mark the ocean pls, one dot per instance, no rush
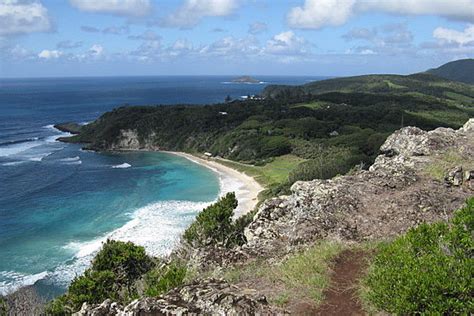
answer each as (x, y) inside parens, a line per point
(58, 203)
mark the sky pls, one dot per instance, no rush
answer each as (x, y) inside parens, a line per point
(59, 38)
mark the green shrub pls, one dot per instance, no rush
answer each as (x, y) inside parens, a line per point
(429, 270)
(114, 271)
(3, 307)
(213, 225)
(275, 146)
(161, 280)
(327, 164)
(59, 307)
(92, 287)
(127, 260)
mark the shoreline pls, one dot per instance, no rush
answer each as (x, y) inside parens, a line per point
(247, 190)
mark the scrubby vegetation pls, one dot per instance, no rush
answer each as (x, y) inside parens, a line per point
(3, 307)
(215, 226)
(302, 275)
(429, 270)
(113, 274)
(164, 278)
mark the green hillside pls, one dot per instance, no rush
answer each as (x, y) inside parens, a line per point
(459, 70)
(419, 85)
(328, 126)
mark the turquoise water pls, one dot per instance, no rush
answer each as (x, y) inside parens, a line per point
(58, 203)
(54, 223)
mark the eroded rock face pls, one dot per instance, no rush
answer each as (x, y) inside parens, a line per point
(205, 297)
(129, 140)
(393, 195)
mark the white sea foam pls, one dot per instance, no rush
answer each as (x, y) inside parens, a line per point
(122, 166)
(50, 126)
(79, 162)
(15, 149)
(16, 280)
(70, 159)
(156, 226)
(54, 138)
(24, 148)
(12, 163)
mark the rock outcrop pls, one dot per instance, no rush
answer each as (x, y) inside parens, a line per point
(129, 140)
(205, 297)
(396, 193)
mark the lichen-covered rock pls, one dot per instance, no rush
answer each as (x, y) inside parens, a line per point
(393, 195)
(203, 297)
(455, 176)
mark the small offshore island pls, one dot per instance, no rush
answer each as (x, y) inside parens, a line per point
(246, 79)
(352, 174)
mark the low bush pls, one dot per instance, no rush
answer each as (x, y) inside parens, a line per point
(92, 287)
(161, 280)
(327, 164)
(429, 270)
(115, 269)
(125, 259)
(215, 225)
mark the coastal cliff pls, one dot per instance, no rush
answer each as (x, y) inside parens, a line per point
(419, 177)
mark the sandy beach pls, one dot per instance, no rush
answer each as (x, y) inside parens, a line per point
(245, 187)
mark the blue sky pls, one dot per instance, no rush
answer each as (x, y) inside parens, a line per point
(43, 38)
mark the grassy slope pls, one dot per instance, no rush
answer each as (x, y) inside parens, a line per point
(274, 172)
(301, 277)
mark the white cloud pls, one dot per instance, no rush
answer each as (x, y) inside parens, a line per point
(19, 17)
(453, 36)
(114, 7)
(315, 14)
(458, 10)
(192, 11)
(16, 52)
(287, 43)
(96, 50)
(231, 47)
(50, 54)
(257, 28)
(318, 13)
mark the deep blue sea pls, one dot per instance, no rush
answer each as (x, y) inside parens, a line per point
(58, 202)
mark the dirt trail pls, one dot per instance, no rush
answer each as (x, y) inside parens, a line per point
(341, 297)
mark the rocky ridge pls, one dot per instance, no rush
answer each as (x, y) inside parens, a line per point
(396, 193)
(419, 177)
(205, 297)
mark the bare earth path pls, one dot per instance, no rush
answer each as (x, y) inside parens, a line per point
(341, 297)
